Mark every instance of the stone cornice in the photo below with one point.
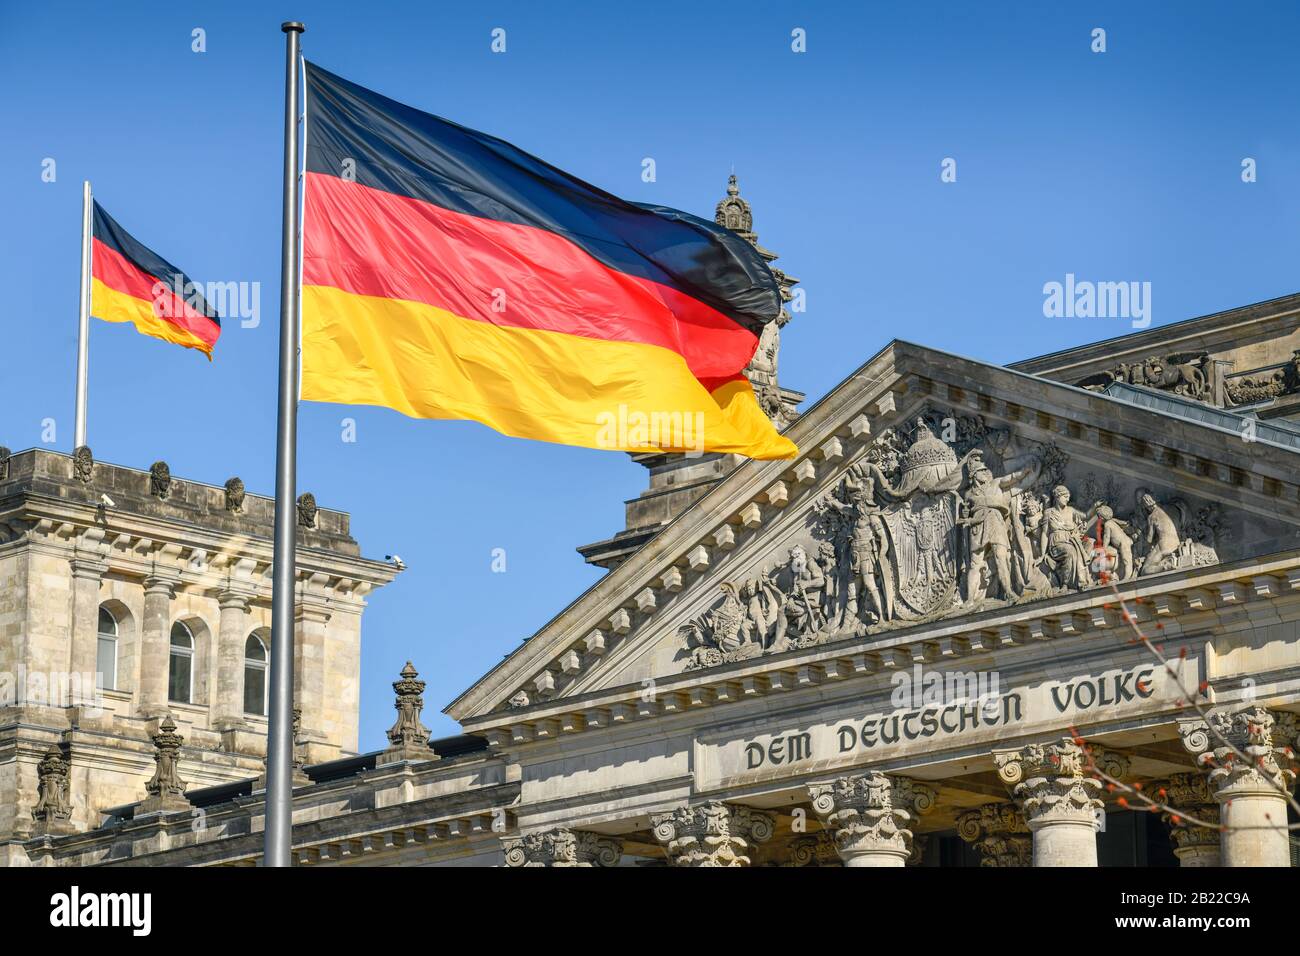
(1261, 474)
(1234, 327)
(137, 546)
(895, 384)
(1184, 601)
(41, 471)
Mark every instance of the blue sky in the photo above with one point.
(1115, 166)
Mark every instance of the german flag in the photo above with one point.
(132, 283)
(449, 274)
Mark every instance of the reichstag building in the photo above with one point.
(1042, 614)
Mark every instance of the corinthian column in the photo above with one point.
(1194, 824)
(999, 834)
(1251, 793)
(232, 632)
(155, 641)
(560, 846)
(869, 814)
(1059, 799)
(712, 834)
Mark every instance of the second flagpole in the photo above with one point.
(83, 320)
(279, 740)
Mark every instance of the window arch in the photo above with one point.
(106, 651)
(255, 676)
(180, 665)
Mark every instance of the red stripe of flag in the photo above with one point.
(370, 242)
(115, 271)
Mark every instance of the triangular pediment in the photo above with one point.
(923, 497)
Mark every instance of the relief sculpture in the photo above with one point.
(923, 527)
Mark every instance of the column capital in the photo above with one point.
(1194, 824)
(869, 814)
(234, 599)
(999, 833)
(164, 584)
(815, 849)
(560, 846)
(88, 569)
(1050, 780)
(311, 613)
(711, 834)
(1254, 731)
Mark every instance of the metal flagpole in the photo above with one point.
(279, 741)
(83, 325)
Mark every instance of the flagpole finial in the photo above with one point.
(292, 26)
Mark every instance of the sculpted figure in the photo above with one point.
(1026, 558)
(1161, 539)
(160, 479)
(1061, 541)
(869, 556)
(986, 510)
(722, 634)
(83, 463)
(828, 561)
(235, 495)
(762, 602)
(801, 610)
(1115, 540)
(1185, 373)
(307, 510)
(53, 803)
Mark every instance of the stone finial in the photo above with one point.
(560, 846)
(998, 833)
(299, 761)
(83, 464)
(869, 814)
(235, 495)
(711, 834)
(307, 510)
(53, 810)
(408, 738)
(166, 788)
(160, 480)
(299, 756)
(733, 212)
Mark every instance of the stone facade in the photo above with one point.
(81, 539)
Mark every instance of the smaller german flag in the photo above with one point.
(132, 283)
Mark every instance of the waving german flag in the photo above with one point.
(448, 274)
(132, 283)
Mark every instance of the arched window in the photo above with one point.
(180, 669)
(106, 651)
(254, 676)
